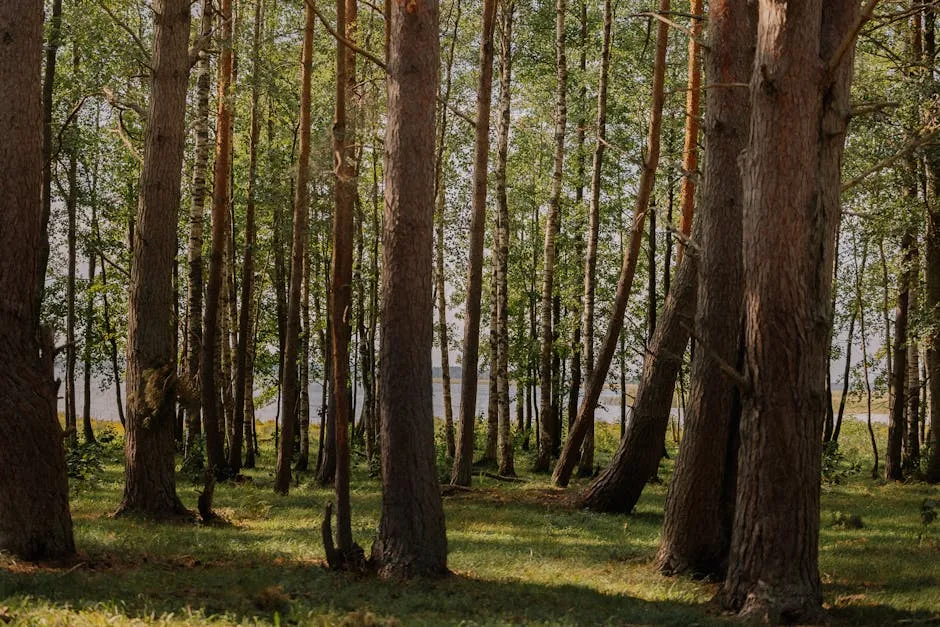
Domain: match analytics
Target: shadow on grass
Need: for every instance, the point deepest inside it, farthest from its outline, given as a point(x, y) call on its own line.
point(301, 591)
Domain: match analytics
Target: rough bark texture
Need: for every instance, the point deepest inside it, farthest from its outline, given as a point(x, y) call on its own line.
point(932, 291)
point(700, 503)
point(791, 213)
point(210, 363)
point(344, 163)
point(411, 539)
point(692, 107)
point(197, 213)
point(547, 419)
point(463, 458)
point(290, 395)
point(149, 446)
point(34, 511)
point(598, 375)
point(505, 443)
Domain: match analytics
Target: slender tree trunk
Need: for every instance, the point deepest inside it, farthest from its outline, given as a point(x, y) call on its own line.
point(89, 335)
point(911, 458)
point(71, 203)
point(443, 333)
point(859, 274)
point(110, 334)
point(837, 426)
point(546, 334)
point(898, 387)
point(245, 336)
point(505, 443)
point(598, 374)
point(197, 211)
point(699, 506)
point(210, 364)
point(289, 392)
point(411, 537)
point(692, 110)
point(492, 412)
point(149, 444)
point(463, 458)
point(344, 160)
point(932, 291)
point(590, 261)
point(48, 102)
point(303, 410)
point(799, 98)
point(35, 522)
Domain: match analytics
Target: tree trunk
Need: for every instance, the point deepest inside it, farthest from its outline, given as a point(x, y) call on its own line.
point(932, 291)
point(289, 392)
point(248, 263)
point(618, 487)
point(859, 274)
point(700, 503)
point(505, 443)
point(344, 160)
point(800, 99)
point(48, 108)
point(590, 261)
point(547, 419)
point(89, 335)
point(210, 364)
point(463, 458)
point(197, 211)
point(492, 411)
point(411, 538)
point(35, 522)
point(911, 458)
point(71, 203)
point(598, 375)
point(837, 426)
point(898, 388)
point(149, 445)
point(112, 339)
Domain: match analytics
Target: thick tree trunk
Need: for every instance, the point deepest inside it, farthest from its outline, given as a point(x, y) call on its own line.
point(34, 510)
point(547, 419)
point(505, 443)
point(149, 445)
point(210, 362)
point(598, 375)
point(463, 458)
point(290, 395)
point(932, 294)
point(799, 98)
point(411, 539)
point(700, 504)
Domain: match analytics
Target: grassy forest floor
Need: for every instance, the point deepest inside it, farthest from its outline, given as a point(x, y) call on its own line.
point(520, 553)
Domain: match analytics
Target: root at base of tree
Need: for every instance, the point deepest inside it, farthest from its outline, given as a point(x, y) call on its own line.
point(353, 559)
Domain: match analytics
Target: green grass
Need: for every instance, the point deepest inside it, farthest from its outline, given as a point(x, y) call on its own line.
point(519, 553)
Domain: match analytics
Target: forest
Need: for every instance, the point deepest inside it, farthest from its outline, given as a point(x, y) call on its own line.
point(380, 312)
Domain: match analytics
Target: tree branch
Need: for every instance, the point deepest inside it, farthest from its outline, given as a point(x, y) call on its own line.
point(849, 40)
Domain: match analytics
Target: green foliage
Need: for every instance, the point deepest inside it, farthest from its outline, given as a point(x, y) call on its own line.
point(84, 461)
point(837, 468)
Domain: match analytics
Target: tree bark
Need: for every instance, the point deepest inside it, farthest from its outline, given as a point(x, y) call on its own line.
point(590, 260)
point(149, 445)
point(463, 458)
point(210, 362)
point(800, 99)
point(48, 102)
point(289, 392)
point(89, 334)
point(345, 189)
point(505, 443)
point(71, 203)
point(700, 504)
point(248, 263)
point(547, 419)
point(898, 388)
point(411, 538)
point(932, 291)
point(598, 375)
point(35, 522)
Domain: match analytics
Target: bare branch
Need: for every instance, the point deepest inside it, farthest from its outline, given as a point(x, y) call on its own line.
point(849, 40)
